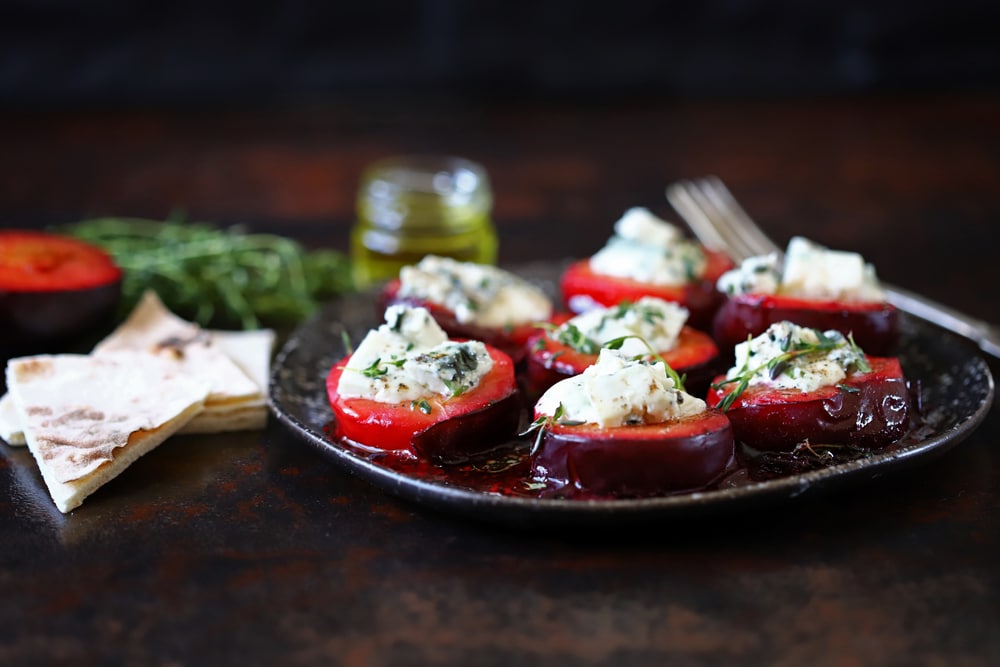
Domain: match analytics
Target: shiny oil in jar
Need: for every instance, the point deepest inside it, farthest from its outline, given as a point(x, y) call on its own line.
point(413, 206)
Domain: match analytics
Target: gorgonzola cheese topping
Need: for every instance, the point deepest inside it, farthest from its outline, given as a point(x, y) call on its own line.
point(809, 271)
point(649, 249)
point(619, 391)
point(410, 358)
point(655, 321)
point(754, 275)
point(476, 293)
point(788, 356)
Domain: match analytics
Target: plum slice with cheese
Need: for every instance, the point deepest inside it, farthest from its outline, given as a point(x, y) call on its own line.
point(794, 385)
point(626, 428)
point(410, 390)
point(474, 301)
point(643, 327)
point(812, 286)
point(647, 256)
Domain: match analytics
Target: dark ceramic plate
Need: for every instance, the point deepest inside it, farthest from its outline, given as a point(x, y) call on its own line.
point(953, 382)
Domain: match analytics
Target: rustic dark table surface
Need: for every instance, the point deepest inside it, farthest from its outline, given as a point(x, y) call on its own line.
point(254, 549)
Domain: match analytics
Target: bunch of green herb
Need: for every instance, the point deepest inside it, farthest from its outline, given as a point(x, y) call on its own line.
point(223, 277)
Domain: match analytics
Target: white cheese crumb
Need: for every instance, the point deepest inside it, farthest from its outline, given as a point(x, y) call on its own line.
point(808, 271)
point(477, 293)
point(655, 321)
point(410, 358)
point(619, 391)
point(754, 275)
point(649, 249)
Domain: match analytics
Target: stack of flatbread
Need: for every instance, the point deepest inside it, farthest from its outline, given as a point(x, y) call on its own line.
point(86, 418)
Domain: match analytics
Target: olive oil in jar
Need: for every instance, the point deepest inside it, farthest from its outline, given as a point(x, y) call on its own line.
point(409, 207)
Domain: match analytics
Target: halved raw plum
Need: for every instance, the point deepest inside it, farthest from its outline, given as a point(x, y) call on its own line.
point(443, 431)
point(873, 325)
point(869, 410)
point(587, 460)
point(53, 288)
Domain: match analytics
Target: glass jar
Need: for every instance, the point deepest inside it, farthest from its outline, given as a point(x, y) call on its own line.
point(413, 206)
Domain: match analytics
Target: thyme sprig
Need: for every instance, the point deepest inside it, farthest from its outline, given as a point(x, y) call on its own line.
point(543, 422)
point(570, 335)
point(222, 277)
point(616, 344)
point(781, 363)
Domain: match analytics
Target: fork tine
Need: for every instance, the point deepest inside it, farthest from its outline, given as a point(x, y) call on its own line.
point(727, 226)
point(741, 223)
point(717, 219)
point(681, 196)
point(712, 227)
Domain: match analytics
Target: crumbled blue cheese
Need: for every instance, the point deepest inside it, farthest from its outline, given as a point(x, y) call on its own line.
point(477, 293)
point(410, 358)
point(765, 358)
point(816, 272)
point(655, 321)
point(649, 249)
point(619, 391)
point(808, 271)
point(754, 275)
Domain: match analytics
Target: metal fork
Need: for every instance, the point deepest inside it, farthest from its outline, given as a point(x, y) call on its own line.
point(720, 223)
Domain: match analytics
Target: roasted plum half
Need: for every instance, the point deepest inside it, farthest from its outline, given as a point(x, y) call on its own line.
point(873, 325)
point(586, 460)
point(443, 431)
point(868, 410)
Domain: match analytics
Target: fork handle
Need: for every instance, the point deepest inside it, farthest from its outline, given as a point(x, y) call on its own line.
point(984, 334)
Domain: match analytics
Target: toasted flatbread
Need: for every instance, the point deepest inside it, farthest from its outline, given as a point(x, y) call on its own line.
point(86, 418)
point(233, 364)
point(236, 364)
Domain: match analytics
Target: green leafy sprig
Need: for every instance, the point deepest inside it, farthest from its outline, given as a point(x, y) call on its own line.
point(616, 344)
point(215, 276)
point(543, 422)
point(378, 368)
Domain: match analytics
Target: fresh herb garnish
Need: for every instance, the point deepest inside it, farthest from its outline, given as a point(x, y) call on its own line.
point(571, 336)
point(782, 363)
point(378, 368)
point(543, 422)
point(616, 344)
point(215, 276)
point(421, 405)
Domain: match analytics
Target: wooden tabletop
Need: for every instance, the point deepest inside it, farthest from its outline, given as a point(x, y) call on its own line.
point(254, 549)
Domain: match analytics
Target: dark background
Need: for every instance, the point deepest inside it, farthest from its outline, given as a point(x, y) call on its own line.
point(65, 53)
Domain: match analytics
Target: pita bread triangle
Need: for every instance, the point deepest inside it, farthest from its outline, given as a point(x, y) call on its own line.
point(87, 418)
point(233, 364)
